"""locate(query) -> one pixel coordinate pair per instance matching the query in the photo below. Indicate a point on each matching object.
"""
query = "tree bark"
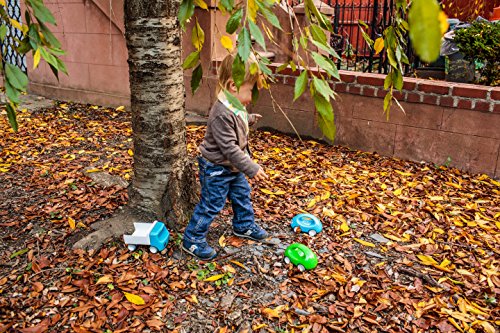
(163, 186)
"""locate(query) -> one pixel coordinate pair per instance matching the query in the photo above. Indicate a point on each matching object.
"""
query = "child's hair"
(226, 71)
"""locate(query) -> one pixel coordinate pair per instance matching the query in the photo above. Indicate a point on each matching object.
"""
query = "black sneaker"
(255, 233)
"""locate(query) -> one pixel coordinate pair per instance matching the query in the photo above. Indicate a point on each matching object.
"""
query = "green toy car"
(301, 256)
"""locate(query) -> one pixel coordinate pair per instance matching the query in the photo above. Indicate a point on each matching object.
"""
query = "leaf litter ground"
(406, 247)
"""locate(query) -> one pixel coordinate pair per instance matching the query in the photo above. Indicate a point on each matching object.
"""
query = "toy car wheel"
(153, 249)
(287, 260)
(131, 247)
(301, 267)
(312, 233)
(296, 229)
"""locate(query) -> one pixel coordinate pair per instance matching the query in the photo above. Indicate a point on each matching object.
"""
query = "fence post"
(372, 34)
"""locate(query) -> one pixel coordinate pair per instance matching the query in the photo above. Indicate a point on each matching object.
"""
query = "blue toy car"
(307, 223)
(153, 234)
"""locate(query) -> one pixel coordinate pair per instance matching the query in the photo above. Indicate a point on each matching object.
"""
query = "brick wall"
(441, 120)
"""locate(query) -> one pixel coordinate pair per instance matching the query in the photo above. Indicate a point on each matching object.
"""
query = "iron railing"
(348, 40)
(7, 47)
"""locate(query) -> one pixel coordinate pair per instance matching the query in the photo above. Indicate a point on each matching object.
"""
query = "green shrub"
(481, 42)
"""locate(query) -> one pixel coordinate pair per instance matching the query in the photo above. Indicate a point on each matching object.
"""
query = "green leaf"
(227, 4)
(388, 81)
(387, 102)
(425, 31)
(11, 92)
(281, 67)
(186, 10)
(11, 115)
(300, 85)
(238, 71)
(325, 64)
(244, 43)
(318, 34)
(196, 78)
(326, 48)
(191, 60)
(326, 119)
(49, 37)
(16, 77)
(269, 15)
(255, 93)
(257, 34)
(49, 58)
(41, 12)
(398, 80)
(233, 100)
(19, 253)
(3, 32)
(234, 21)
(323, 88)
(197, 36)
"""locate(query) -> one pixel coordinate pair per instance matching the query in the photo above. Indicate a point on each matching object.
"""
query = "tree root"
(115, 226)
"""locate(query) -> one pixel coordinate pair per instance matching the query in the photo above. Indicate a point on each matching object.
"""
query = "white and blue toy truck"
(153, 234)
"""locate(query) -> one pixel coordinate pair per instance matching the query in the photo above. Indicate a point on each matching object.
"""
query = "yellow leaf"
(258, 327)
(252, 10)
(227, 43)
(325, 195)
(328, 212)
(16, 24)
(365, 243)
(222, 241)
(92, 170)
(134, 299)
(379, 45)
(464, 272)
(198, 36)
(2, 2)
(443, 22)
(488, 328)
(192, 298)
(4, 170)
(271, 313)
(427, 260)
(36, 58)
(202, 4)
(344, 227)
(120, 108)
(311, 203)
(436, 198)
(398, 191)
(130, 152)
(279, 192)
(237, 263)
(72, 223)
(214, 277)
(445, 263)
(105, 279)
(406, 174)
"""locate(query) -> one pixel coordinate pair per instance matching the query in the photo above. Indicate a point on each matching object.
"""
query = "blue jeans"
(217, 184)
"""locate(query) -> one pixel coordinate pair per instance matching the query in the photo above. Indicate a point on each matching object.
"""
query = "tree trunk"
(163, 186)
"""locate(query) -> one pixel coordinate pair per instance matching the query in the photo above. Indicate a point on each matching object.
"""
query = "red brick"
(340, 87)
(496, 108)
(413, 97)
(430, 99)
(352, 89)
(347, 77)
(436, 88)
(482, 106)
(400, 96)
(371, 79)
(495, 94)
(446, 101)
(286, 71)
(409, 83)
(472, 92)
(464, 104)
(381, 93)
(290, 80)
(368, 91)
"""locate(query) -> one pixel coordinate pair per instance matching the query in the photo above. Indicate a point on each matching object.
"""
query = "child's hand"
(260, 175)
(254, 118)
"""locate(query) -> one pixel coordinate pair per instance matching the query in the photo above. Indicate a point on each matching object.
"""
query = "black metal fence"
(348, 40)
(7, 47)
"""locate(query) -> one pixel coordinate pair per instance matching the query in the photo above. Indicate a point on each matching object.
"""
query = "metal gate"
(12, 38)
